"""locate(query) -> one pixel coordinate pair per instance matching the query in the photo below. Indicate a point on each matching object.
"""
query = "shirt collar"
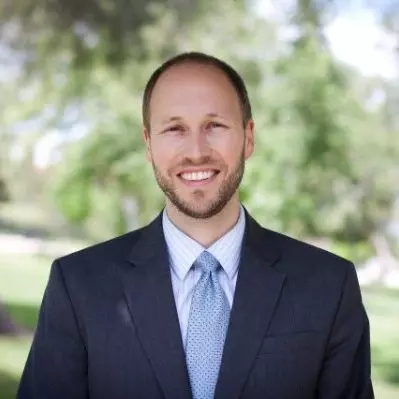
(183, 250)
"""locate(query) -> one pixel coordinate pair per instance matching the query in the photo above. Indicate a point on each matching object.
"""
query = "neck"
(206, 231)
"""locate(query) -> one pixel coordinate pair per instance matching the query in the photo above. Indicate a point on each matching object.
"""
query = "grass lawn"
(22, 283)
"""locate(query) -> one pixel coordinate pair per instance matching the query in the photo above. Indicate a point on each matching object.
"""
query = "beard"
(194, 208)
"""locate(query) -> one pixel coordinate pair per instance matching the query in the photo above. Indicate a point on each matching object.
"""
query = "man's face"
(197, 144)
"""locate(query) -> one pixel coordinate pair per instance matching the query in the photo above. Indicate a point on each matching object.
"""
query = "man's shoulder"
(303, 246)
(298, 255)
(112, 250)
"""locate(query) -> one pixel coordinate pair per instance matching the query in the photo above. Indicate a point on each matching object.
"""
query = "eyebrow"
(179, 118)
(172, 119)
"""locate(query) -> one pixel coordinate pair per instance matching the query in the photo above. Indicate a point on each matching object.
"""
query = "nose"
(197, 146)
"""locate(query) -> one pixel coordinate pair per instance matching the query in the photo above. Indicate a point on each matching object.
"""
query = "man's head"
(198, 130)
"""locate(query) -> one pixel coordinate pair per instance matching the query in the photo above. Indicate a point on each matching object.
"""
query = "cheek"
(163, 154)
(229, 149)
(170, 148)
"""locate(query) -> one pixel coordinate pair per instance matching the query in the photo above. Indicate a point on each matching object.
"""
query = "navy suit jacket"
(108, 326)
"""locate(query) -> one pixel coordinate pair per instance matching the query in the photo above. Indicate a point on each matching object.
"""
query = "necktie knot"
(207, 262)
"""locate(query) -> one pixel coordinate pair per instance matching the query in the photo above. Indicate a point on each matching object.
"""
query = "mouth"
(198, 178)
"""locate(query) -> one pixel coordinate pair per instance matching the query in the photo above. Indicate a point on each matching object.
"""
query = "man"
(203, 302)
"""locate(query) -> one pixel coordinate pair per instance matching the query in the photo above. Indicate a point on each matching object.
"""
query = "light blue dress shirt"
(183, 251)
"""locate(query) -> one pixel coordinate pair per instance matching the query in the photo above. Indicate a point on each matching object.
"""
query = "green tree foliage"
(90, 28)
(325, 160)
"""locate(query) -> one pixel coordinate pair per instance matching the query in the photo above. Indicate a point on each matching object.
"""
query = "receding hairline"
(234, 79)
(206, 64)
(187, 63)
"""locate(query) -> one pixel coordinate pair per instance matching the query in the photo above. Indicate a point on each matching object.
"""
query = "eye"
(215, 125)
(175, 129)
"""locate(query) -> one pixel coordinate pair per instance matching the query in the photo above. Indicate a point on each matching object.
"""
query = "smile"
(198, 177)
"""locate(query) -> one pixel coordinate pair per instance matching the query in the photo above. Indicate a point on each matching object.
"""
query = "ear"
(249, 139)
(147, 140)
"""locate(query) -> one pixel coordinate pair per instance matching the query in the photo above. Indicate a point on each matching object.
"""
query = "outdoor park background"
(323, 76)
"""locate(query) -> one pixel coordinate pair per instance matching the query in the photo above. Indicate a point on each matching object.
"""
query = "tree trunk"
(7, 325)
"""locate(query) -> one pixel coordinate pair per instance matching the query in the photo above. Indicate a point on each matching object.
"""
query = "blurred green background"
(323, 76)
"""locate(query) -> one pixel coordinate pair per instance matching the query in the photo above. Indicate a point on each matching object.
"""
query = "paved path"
(20, 244)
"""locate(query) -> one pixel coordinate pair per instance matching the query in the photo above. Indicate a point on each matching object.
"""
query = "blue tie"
(207, 326)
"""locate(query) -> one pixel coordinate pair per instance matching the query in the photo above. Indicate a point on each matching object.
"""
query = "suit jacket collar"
(149, 294)
(256, 238)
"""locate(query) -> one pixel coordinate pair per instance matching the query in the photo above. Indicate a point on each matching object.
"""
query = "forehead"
(194, 89)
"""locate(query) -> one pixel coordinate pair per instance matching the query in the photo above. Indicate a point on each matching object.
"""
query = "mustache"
(203, 161)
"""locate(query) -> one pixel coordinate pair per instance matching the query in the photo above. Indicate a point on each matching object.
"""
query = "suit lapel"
(257, 291)
(149, 294)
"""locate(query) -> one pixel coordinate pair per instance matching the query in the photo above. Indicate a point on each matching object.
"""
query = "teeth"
(197, 175)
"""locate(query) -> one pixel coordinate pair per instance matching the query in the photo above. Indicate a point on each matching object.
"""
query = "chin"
(198, 210)
(200, 214)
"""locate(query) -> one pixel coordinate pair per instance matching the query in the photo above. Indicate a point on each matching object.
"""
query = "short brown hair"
(204, 59)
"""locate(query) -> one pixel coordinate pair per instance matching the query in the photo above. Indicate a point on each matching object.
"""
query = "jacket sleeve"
(56, 367)
(346, 371)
